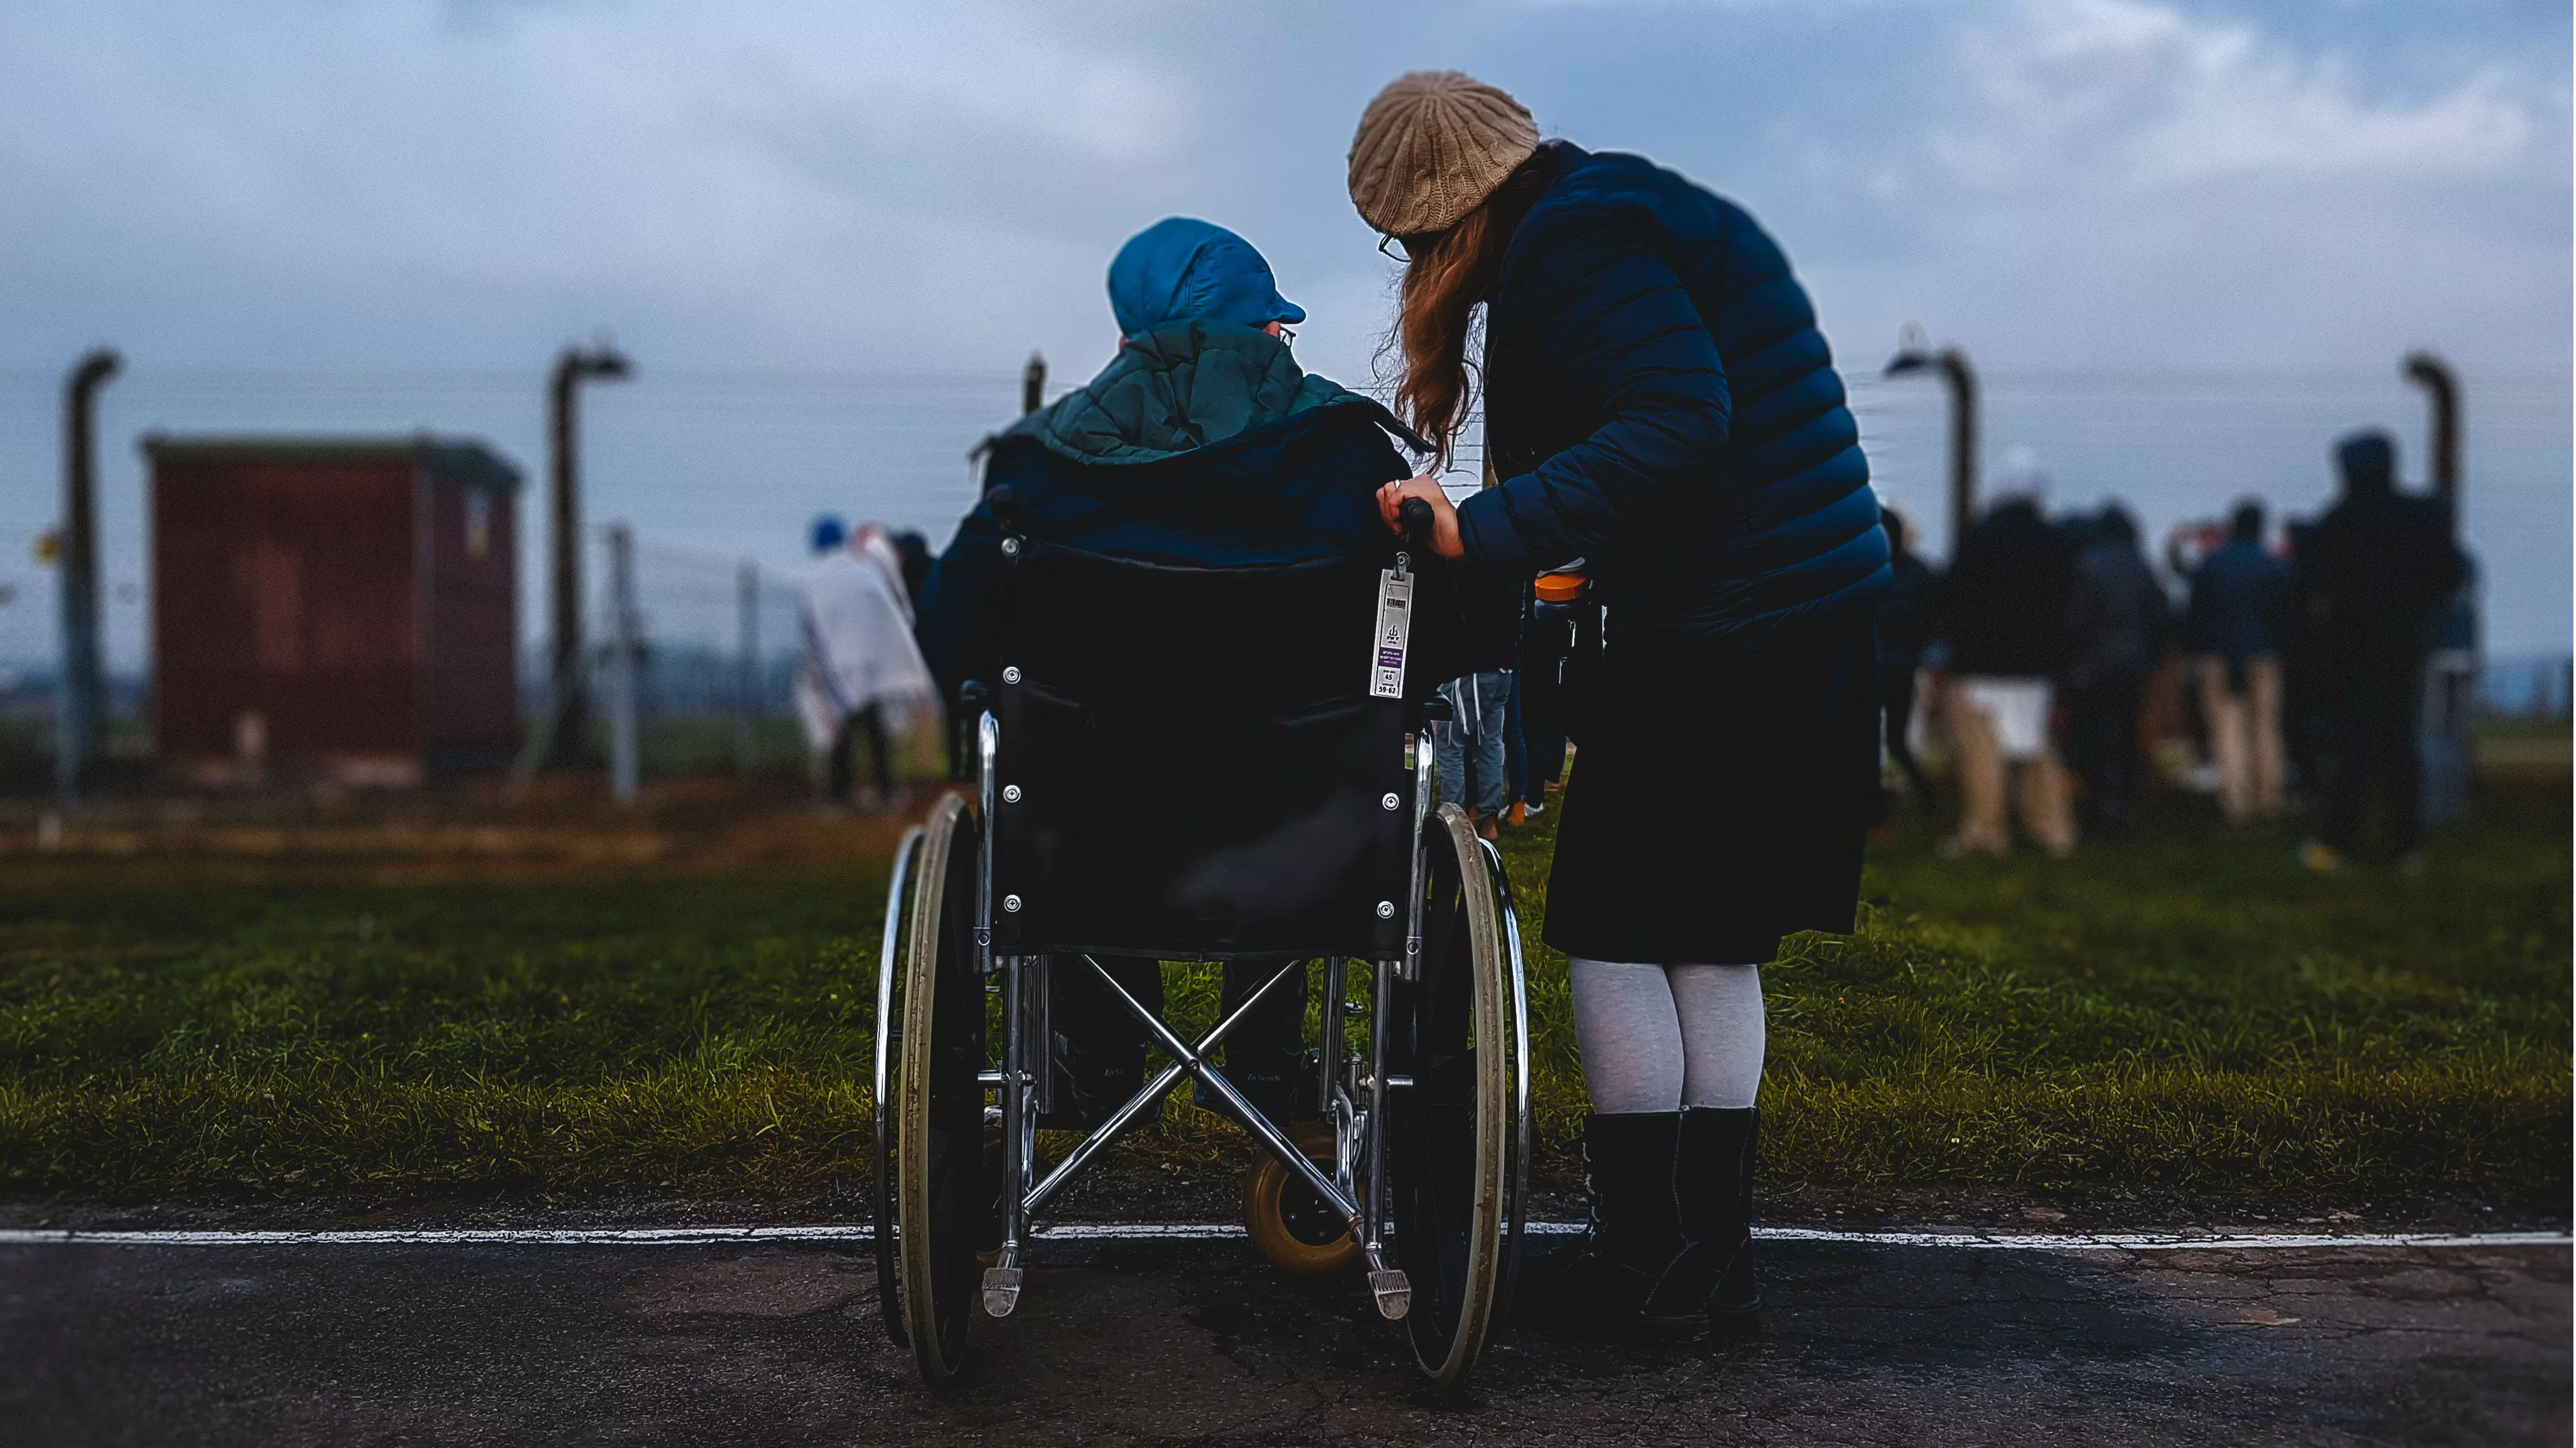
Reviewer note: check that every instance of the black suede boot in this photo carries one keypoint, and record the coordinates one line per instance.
(1632, 1231)
(1711, 1278)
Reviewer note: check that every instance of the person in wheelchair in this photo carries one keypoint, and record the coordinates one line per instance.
(1202, 444)
(1198, 671)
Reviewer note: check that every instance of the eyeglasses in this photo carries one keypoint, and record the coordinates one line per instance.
(1410, 248)
(1287, 338)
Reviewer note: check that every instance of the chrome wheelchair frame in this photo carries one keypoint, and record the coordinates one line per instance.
(1469, 1221)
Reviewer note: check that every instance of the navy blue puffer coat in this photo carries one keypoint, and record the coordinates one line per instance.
(1659, 402)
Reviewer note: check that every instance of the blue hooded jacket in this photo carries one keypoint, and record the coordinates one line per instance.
(1660, 403)
(1201, 444)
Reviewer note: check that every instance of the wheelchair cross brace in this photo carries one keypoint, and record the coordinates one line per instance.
(1025, 1059)
(1002, 1281)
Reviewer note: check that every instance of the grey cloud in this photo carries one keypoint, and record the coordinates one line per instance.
(853, 186)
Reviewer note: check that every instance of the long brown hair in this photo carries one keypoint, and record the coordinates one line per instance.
(1445, 276)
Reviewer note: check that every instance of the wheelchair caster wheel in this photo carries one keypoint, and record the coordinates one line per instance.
(1287, 1221)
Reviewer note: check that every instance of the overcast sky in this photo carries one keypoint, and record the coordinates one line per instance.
(2065, 186)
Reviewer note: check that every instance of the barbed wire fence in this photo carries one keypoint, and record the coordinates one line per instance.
(711, 698)
(695, 671)
(717, 665)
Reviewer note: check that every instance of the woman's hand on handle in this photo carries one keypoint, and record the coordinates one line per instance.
(1444, 519)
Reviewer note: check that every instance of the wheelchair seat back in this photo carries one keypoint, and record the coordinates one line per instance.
(1191, 764)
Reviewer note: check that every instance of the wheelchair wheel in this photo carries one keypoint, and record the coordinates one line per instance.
(889, 1031)
(941, 1184)
(1286, 1219)
(1455, 1135)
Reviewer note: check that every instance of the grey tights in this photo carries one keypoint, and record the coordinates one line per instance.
(1662, 1037)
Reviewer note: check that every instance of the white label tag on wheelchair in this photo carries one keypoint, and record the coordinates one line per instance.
(1394, 631)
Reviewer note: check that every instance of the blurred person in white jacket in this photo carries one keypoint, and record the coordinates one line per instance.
(861, 665)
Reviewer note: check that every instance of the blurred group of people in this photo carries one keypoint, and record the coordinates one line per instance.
(2297, 663)
(1504, 745)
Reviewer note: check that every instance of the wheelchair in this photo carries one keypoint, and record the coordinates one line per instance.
(1180, 764)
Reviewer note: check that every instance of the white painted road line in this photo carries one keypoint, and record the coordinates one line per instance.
(1189, 1231)
(2164, 1241)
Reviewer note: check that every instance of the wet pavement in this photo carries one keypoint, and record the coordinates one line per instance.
(1162, 1342)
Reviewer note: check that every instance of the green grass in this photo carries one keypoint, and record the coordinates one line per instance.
(176, 1036)
(2182, 1010)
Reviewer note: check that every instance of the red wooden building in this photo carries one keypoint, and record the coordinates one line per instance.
(332, 608)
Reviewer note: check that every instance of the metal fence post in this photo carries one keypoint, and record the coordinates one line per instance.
(570, 721)
(83, 696)
(1914, 354)
(627, 643)
(747, 718)
(2442, 388)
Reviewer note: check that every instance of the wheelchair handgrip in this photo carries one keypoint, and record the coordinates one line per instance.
(1414, 522)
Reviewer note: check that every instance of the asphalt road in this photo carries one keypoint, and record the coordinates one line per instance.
(1200, 1342)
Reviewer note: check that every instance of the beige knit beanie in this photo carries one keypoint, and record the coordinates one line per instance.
(1431, 147)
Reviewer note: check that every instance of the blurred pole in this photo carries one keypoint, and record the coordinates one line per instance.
(747, 629)
(1963, 439)
(570, 728)
(1033, 384)
(2450, 676)
(2442, 386)
(82, 695)
(626, 643)
(1914, 354)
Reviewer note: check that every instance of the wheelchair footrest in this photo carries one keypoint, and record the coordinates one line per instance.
(1393, 1292)
(1001, 1290)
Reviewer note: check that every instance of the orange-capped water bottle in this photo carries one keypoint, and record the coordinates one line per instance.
(1564, 586)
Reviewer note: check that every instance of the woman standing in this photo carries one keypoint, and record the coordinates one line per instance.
(1659, 405)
